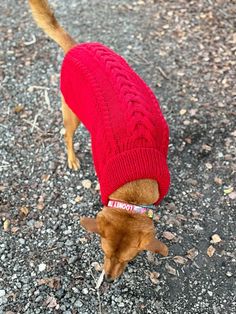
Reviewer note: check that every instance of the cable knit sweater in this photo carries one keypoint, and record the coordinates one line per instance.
(128, 131)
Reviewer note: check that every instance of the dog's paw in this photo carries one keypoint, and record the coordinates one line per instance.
(74, 164)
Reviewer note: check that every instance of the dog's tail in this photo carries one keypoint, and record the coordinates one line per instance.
(45, 18)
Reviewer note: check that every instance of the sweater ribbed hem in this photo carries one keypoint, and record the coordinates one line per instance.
(140, 163)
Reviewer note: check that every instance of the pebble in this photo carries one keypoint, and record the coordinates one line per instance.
(78, 303)
(72, 259)
(85, 291)
(69, 243)
(42, 267)
(2, 293)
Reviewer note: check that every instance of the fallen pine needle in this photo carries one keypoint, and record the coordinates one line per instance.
(47, 100)
(33, 125)
(163, 73)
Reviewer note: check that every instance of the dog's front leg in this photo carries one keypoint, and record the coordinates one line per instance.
(71, 122)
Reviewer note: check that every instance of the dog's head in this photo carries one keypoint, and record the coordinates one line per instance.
(123, 236)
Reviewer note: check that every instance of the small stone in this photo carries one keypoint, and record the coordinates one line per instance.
(78, 303)
(182, 112)
(2, 293)
(85, 291)
(210, 293)
(87, 184)
(191, 181)
(209, 166)
(229, 274)
(42, 267)
(22, 241)
(72, 259)
(69, 243)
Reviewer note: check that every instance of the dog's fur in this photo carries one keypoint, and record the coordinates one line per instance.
(123, 234)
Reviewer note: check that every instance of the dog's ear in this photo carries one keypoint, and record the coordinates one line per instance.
(89, 224)
(157, 246)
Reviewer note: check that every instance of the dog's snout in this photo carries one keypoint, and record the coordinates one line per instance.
(109, 278)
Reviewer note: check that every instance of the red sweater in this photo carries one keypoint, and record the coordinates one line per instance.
(128, 131)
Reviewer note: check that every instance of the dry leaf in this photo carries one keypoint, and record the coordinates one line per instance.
(78, 199)
(14, 229)
(150, 257)
(97, 266)
(18, 108)
(51, 303)
(170, 270)
(180, 259)
(40, 206)
(210, 251)
(218, 180)
(2, 188)
(83, 240)
(228, 190)
(168, 235)
(45, 177)
(154, 277)
(181, 217)
(182, 112)
(24, 211)
(215, 238)
(232, 195)
(192, 253)
(87, 184)
(52, 282)
(6, 225)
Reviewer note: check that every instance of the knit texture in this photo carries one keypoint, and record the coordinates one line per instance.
(128, 131)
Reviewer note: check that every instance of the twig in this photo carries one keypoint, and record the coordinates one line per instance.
(98, 293)
(35, 126)
(47, 100)
(31, 42)
(34, 123)
(166, 257)
(163, 73)
(51, 249)
(141, 57)
(31, 88)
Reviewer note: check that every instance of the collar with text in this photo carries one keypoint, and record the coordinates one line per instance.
(148, 210)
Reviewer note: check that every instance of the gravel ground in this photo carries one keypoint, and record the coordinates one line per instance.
(185, 50)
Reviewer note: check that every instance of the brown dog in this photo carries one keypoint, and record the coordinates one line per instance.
(123, 234)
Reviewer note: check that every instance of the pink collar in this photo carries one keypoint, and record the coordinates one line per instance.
(148, 210)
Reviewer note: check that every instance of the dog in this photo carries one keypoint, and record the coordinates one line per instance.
(129, 142)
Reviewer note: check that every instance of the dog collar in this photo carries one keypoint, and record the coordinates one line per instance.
(148, 210)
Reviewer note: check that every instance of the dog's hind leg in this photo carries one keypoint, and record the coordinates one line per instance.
(71, 122)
